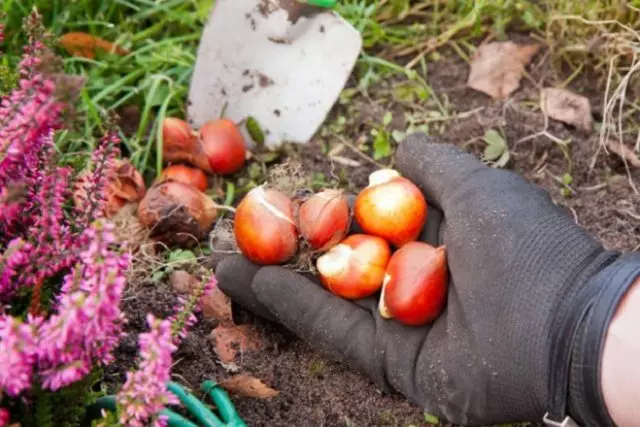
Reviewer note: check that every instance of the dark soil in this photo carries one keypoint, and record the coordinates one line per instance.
(318, 392)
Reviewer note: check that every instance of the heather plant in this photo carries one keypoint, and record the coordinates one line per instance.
(62, 272)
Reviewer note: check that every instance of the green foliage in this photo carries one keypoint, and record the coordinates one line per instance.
(162, 38)
(62, 408)
(496, 152)
(382, 139)
(431, 419)
(110, 420)
(8, 76)
(255, 131)
(43, 410)
(176, 259)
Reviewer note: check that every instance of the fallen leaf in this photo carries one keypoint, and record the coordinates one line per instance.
(496, 68)
(128, 183)
(183, 282)
(85, 45)
(247, 386)
(567, 107)
(229, 340)
(624, 152)
(124, 185)
(216, 305)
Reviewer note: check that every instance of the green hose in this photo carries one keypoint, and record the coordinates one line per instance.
(228, 415)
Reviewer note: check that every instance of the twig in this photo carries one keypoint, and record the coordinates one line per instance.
(559, 181)
(629, 212)
(462, 115)
(358, 152)
(543, 132)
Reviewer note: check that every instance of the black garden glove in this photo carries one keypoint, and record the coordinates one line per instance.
(531, 295)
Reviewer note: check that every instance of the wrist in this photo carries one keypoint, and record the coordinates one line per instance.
(620, 371)
(605, 290)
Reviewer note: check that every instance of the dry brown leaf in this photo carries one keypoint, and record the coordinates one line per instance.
(624, 152)
(124, 186)
(567, 107)
(247, 386)
(183, 282)
(496, 68)
(228, 341)
(216, 305)
(128, 183)
(82, 44)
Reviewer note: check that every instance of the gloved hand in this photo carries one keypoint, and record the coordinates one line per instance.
(530, 297)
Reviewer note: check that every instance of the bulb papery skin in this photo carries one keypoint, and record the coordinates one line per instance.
(176, 213)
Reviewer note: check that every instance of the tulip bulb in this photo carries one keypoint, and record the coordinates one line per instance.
(415, 284)
(355, 267)
(264, 227)
(324, 219)
(223, 146)
(179, 141)
(185, 175)
(177, 212)
(391, 207)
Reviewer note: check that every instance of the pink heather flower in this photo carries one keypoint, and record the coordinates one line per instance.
(92, 189)
(88, 323)
(184, 317)
(15, 256)
(53, 248)
(17, 355)
(145, 394)
(209, 285)
(33, 50)
(5, 417)
(28, 117)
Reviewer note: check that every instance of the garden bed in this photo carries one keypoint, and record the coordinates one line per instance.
(315, 391)
(413, 75)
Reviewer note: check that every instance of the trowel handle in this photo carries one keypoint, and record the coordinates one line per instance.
(321, 3)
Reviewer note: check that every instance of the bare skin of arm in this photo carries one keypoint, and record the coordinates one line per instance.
(621, 361)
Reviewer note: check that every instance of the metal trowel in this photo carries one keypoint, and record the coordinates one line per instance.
(280, 62)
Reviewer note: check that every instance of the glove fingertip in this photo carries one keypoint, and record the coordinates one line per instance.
(436, 167)
(234, 271)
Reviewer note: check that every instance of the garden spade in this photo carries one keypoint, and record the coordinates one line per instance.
(277, 64)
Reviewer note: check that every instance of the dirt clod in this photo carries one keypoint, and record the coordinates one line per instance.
(183, 282)
(217, 306)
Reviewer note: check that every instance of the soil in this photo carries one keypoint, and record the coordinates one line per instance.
(319, 392)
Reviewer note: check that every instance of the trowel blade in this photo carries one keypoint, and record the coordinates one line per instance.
(259, 59)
